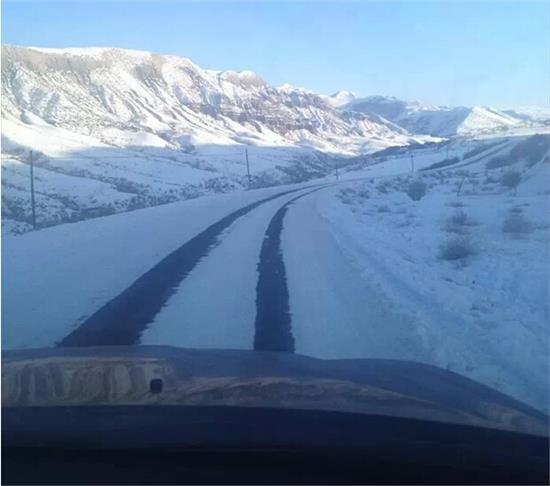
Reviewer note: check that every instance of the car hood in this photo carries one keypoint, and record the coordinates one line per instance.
(123, 375)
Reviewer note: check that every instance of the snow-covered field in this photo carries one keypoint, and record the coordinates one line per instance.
(468, 271)
(79, 177)
(458, 279)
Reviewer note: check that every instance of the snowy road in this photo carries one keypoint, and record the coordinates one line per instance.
(215, 306)
(345, 270)
(121, 320)
(269, 276)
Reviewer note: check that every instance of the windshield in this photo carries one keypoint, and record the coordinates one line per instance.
(335, 206)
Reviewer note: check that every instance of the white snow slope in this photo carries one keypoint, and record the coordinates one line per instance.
(442, 121)
(459, 279)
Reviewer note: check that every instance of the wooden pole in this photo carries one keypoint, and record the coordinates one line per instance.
(32, 191)
(248, 169)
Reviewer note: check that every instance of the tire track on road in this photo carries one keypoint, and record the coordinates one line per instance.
(273, 321)
(122, 320)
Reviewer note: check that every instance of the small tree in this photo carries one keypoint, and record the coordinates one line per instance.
(511, 180)
(417, 190)
(456, 248)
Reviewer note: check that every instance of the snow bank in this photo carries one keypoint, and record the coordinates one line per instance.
(486, 315)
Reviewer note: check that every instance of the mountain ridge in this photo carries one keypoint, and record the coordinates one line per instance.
(117, 129)
(438, 120)
(172, 93)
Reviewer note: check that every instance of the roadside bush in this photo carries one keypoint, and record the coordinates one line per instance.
(462, 219)
(457, 222)
(384, 187)
(383, 209)
(456, 248)
(516, 223)
(511, 179)
(458, 218)
(346, 195)
(417, 190)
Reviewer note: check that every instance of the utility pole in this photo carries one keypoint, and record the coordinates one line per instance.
(412, 162)
(447, 156)
(336, 169)
(248, 169)
(31, 161)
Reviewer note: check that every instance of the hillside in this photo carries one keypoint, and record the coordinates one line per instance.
(440, 121)
(115, 129)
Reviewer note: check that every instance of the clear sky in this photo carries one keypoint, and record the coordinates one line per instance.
(494, 53)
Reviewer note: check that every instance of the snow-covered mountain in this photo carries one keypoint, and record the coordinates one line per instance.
(127, 97)
(441, 121)
(116, 129)
(531, 114)
(341, 98)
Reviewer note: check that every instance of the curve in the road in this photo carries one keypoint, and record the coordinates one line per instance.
(121, 320)
(273, 327)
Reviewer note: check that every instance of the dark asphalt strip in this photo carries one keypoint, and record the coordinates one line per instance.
(273, 322)
(122, 320)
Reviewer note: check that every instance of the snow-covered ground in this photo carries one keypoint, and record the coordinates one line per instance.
(484, 314)
(366, 267)
(56, 277)
(215, 306)
(79, 177)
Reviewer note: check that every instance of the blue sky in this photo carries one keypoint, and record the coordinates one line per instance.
(494, 53)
